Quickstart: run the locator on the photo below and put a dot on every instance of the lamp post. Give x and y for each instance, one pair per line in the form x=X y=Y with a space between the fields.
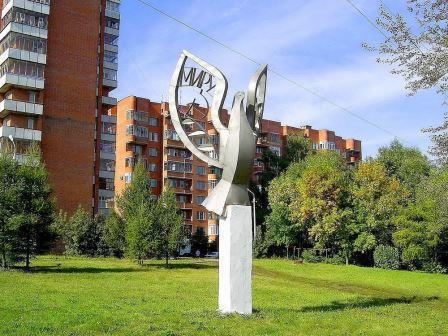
x=254 y=216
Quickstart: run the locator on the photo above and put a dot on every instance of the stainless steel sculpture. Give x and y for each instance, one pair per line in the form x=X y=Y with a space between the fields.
x=237 y=142
x=236 y=151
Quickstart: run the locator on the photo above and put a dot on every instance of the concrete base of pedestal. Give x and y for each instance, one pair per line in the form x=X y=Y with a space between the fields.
x=235 y=260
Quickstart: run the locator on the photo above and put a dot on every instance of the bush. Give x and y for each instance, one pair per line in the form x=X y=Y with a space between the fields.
x=337 y=259
x=311 y=256
x=434 y=267
x=414 y=257
x=386 y=257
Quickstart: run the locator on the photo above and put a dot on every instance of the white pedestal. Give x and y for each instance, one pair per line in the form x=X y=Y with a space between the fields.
x=235 y=260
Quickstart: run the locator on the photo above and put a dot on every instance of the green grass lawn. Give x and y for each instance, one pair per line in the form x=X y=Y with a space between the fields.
x=77 y=296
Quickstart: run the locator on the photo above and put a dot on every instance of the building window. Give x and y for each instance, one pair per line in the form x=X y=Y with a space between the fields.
x=181 y=198
x=110 y=74
x=212 y=184
x=24 y=17
x=153 y=183
x=200 y=170
x=138 y=131
x=213 y=154
x=107 y=184
x=105 y=202
x=200 y=199
x=111 y=57
x=107 y=146
x=129 y=162
x=140 y=116
x=128 y=177
x=112 y=6
x=171 y=135
x=153 y=136
x=23 y=42
x=152 y=151
x=107 y=165
x=274 y=137
x=153 y=121
x=200 y=215
x=111 y=39
x=112 y=23
x=178 y=167
x=109 y=128
x=213 y=230
x=259 y=150
x=201 y=185
x=30 y=123
x=276 y=150
x=152 y=167
x=32 y=97
x=22 y=68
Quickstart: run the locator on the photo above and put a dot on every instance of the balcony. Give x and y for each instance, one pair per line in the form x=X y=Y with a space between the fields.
x=111 y=47
x=7 y=106
x=112 y=31
x=24 y=29
x=110 y=83
x=25 y=82
x=23 y=55
x=107 y=174
x=39 y=6
x=109 y=101
x=20 y=133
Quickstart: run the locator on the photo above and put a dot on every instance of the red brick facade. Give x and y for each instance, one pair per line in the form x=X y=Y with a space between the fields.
x=145 y=131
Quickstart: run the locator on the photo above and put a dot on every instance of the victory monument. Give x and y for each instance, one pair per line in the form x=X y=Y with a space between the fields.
x=236 y=151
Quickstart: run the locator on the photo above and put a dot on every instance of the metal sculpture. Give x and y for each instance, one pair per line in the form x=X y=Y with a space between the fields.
x=237 y=142
x=236 y=152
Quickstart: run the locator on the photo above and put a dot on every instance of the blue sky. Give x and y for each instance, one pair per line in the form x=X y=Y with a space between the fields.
x=315 y=42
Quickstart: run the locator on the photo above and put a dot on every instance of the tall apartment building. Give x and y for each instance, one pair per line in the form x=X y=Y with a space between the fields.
x=58 y=65
x=145 y=132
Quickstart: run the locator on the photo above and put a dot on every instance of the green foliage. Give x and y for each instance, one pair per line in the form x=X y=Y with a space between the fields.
x=137 y=209
x=199 y=242
x=9 y=195
x=434 y=267
x=114 y=234
x=82 y=234
x=311 y=256
x=387 y=257
x=34 y=211
x=408 y=165
x=377 y=198
x=168 y=234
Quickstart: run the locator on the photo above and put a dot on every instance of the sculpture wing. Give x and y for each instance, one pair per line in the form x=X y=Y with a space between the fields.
x=256 y=97
x=220 y=90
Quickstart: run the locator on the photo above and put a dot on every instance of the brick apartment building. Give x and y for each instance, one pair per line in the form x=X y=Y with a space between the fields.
x=58 y=65
x=144 y=131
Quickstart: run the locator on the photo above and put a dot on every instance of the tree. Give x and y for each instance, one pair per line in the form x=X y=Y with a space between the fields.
x=136 y=206
x=136 y=194
x=35 y=207
x=114 y=234
x=281 y=228
x=139 y=230
x=323 y=201
x=169 y=234
x=76 y=232
x=377 y=198
x=8 y=201
x=199 y=241
x=419 y=54
x=296 y=150
x=422 y=228
x=407 y=164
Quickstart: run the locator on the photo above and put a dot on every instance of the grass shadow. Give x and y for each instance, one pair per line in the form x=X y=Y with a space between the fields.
x=361 y=303
x=183 y=265
x=91 y=270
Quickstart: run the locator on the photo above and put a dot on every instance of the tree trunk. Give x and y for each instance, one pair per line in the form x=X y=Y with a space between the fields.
x=166 y=258
x=27 y=258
